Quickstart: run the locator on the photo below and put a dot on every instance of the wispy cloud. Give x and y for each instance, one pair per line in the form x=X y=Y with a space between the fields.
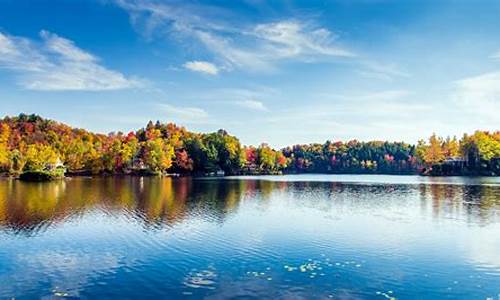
x=496 y=55
x=251 y=104
x=375 y=97
x=248 y=98
x=292 y=38
x=185 y=115
x=385 y=114
x=480 y=94
x=202 y=67
x=248 y=47
x=57 y=64
x=376 y=70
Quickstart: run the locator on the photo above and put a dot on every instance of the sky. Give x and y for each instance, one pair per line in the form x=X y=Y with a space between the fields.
x=280 y=72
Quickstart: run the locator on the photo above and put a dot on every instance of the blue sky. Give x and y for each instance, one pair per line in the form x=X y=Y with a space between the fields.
x=281 y=72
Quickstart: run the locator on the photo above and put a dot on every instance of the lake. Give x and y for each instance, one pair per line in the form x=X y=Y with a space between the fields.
x=284 y=237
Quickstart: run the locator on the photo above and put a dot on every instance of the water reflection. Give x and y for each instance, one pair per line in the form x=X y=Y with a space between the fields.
x=32 y=208
x=476 y=203
x=324 y=237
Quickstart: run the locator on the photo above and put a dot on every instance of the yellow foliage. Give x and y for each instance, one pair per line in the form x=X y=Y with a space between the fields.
x=39 y=156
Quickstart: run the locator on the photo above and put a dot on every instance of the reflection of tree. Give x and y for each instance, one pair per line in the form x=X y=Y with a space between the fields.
x=155 y=202
x=29 y=209
x=216 y=198
x=477 y=203
x=482 y=203
x=158 y=202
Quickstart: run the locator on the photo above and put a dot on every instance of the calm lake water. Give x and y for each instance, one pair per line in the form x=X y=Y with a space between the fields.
x=285 y=237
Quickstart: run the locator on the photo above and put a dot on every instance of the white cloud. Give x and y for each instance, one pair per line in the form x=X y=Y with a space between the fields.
x=480 y=95
x=202 y=67
x=496 y=55
x=185 y=114
x=293 y=38
x=254 y=47
x=387 y=72
x=57 y=64
x=20 y=54
x=382 y=96
x=252 y=104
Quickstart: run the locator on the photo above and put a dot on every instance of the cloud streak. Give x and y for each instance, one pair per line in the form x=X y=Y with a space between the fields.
x=249 y=47
x=202 y=67
x=251 y=104
x=185 y=115
x=57 y=64
x=496 y=55
x=479 y=95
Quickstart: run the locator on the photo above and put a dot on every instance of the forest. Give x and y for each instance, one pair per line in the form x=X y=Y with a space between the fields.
x=32 y=143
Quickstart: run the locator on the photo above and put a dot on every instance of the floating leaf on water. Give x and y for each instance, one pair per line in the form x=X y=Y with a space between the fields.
x=201 y=279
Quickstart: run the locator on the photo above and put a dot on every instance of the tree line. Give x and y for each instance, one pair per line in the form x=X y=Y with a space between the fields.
x=29 y=142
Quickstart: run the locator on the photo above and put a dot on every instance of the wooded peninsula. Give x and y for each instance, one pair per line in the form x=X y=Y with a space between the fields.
x=32 y=144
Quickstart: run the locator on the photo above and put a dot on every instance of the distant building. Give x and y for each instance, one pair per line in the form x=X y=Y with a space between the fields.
x=138 y=164
x=57 y=165
x=455 y=162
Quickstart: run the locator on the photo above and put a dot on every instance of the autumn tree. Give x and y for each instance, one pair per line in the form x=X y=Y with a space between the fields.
x=451 y=147
x=183 y=163
x=433 y=152
x=4 y=147
x=39 y=156
x=158 y=155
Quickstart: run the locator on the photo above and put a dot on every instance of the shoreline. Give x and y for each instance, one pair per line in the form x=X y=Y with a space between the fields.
x=17 y=177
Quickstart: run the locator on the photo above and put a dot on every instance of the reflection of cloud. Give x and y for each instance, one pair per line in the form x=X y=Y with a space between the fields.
x=65 y=272
x=483 y=248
